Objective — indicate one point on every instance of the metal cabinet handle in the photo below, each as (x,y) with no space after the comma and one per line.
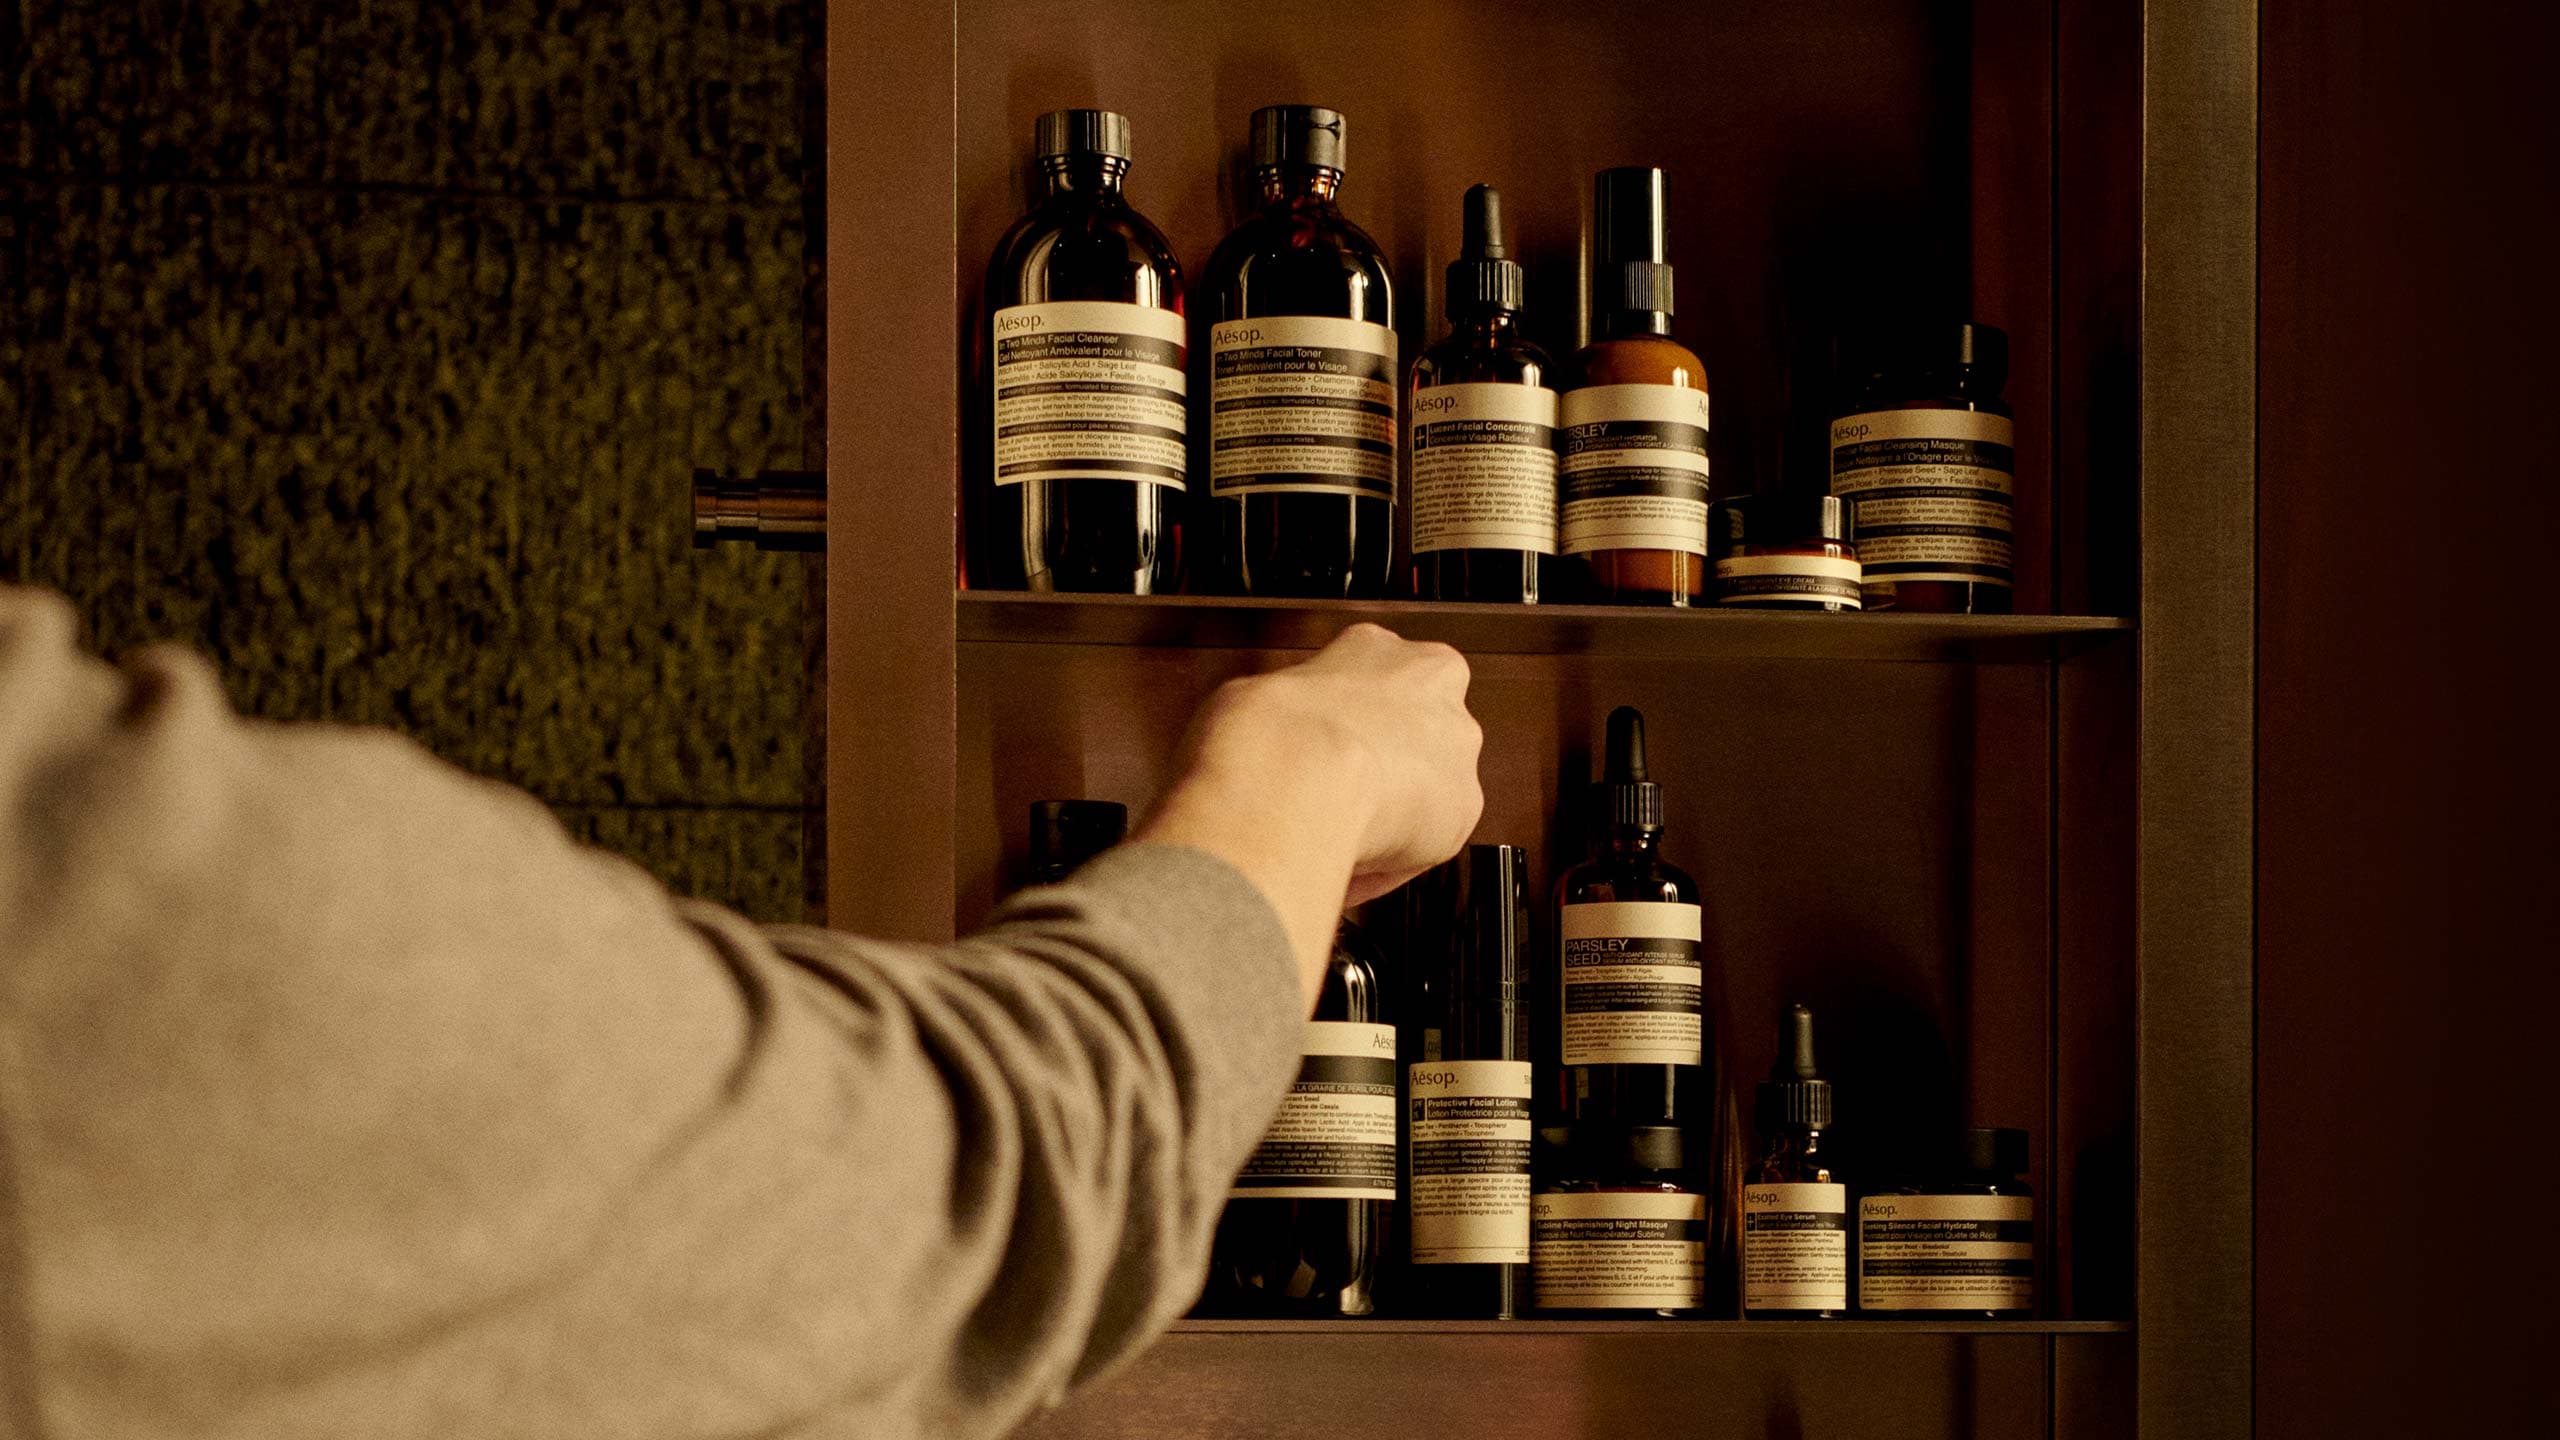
(775,509)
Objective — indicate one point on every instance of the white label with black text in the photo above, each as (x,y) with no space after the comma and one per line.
(1795,1247)
(1931,491)
(1632,462)
(1632,983)
(1619,1250)
(1467,1134)
(1089,390)
(1788,580)
(1302,403)
(1335,1135)
(1947,1252)
(1484,468)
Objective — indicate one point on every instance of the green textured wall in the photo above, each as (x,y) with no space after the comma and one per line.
(370,347)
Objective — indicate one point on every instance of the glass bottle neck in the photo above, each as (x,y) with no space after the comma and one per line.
(1084,174)
(1484,322)
(1631,844)
(1293,184)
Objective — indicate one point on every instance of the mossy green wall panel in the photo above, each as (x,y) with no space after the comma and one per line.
(370,348)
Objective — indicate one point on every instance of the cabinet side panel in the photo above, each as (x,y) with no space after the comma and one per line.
(892,466)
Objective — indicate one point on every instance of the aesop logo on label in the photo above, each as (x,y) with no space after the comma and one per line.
(1011,324)
(1235,335)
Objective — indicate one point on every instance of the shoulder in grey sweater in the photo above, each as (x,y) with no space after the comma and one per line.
(341,1094)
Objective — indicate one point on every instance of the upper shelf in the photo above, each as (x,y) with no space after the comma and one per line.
(1214,622)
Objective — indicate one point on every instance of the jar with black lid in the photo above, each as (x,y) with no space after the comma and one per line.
(1960,1247)
(1923,448)
(1783,551)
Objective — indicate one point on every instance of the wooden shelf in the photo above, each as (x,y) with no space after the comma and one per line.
(1186,621)
(1665,1329)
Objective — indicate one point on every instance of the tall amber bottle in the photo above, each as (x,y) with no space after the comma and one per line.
(1305,1229)
(1079,484)
(1634,442)
(1482,424)
(1302,379)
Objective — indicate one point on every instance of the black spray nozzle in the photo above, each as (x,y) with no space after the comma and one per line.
(1795,1094)
(1630,241)
(1484,277)
(1629,800)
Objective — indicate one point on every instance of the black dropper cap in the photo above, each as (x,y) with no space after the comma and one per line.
(1067,833)
(1995,1153)
(1630,242)
(1296,135)
(1484,276)
(1626,798)
(1081,132)
(1795,1094)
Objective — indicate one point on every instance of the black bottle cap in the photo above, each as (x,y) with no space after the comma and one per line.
(2000,1152)
(1628,798)
(1777,519)
(1067,833)
(1484,276)
(1296,135)
(1630,241)
(1924,352)
(1606,1152)
(1081,132)
(1795,1093)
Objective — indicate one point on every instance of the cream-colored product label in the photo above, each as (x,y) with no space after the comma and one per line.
(1299,403)
(1484,468)
(1931,490)
(1788,580)
(1947,1252)
(1335,1135)
(1089,390)
(1632,991)
(1630,1250)
(1467,1133)
(1633,468)
(1795,1247)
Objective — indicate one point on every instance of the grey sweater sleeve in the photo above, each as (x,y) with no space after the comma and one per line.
(341,1094)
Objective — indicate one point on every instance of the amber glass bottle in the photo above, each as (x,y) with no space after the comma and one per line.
(1633,1041)
(1482,426)
(1083,463)
(1795,1206)
(1302,376)
(1305,1229)
(1634,441)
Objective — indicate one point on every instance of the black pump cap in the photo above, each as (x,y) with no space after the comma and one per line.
(1795,1093)
(1484,276)
(1997,1152)
(1607,1152)
(1630,241)
(1067,833)
(1081,132)
(1296,135)
(1626,795)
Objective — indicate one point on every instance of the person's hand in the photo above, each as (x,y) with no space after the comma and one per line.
(1333,781)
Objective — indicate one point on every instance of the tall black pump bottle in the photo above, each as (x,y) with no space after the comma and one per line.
(1482,422)
(1632,1033)
(1305,1230)
(1079,461)
(1301,375)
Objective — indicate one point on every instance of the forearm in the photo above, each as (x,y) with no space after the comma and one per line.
(1289,830)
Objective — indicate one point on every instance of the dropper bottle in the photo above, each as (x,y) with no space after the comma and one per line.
(1632,1008)
(1481,431)
(1795,1207)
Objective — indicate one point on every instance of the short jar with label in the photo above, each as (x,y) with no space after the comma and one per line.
(1782,551)
(1620,1232)
(1961,1248)
(1924,450)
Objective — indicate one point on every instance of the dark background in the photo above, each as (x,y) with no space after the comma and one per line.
(370,349)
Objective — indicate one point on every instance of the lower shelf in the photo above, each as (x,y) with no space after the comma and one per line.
(1568,1379)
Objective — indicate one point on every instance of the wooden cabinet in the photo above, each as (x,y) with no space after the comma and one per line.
(2009,856)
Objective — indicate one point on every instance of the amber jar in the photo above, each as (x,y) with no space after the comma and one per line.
(1923,449)
(1783,552)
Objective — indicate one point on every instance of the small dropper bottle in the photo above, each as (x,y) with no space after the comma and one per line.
(1481,431)
(1795,1207)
